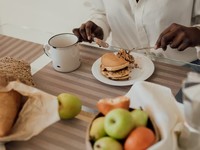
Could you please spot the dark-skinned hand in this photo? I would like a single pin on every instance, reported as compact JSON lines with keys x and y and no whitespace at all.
{"x":179,"y":37}
{"x":87,"y":31}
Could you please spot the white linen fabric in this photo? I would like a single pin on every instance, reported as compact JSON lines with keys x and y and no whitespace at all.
{"x":198,"y":52}
{"x":198,"y":47}
{"x":139,"y":24}
{"x":159,"y":102}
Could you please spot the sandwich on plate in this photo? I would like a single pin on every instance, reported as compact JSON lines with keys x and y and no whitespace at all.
{"x":117,"y":66}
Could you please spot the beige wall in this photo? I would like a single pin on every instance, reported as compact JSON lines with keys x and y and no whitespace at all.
{"x":47,"y":15}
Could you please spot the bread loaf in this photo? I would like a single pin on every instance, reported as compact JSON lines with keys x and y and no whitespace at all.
{"x":10,"y":102}
{"x":9,"y":107}
{"x":12,"y":69}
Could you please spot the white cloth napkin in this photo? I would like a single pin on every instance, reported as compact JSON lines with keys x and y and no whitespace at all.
{"x":39,"y":112}
{"x":162,"y":108}
{"x":192,"y":105}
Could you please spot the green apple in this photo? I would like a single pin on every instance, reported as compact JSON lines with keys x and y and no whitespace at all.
{"x":107,"y":143}
{"x":69,"y":105}
{"x":97,"y":129}
{"x":140,"y":117}
{"x":118,"y":123}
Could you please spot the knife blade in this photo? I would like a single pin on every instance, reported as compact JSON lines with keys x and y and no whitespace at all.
{"x":104,"y":44}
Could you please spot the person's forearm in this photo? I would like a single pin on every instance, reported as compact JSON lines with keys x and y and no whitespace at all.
{"x":198,"y":27}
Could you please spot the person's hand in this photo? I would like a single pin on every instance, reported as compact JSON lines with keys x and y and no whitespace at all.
{"x":178,"y":36}
{"x":87,"y":31}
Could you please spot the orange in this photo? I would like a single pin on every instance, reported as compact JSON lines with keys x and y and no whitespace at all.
{"x":107,"y":104}
{"x":139,"y":139}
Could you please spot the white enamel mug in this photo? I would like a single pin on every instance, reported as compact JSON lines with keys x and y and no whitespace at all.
{"x":64,"y":52}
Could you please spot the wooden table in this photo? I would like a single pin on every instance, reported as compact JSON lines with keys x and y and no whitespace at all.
{"x":70,"y":134}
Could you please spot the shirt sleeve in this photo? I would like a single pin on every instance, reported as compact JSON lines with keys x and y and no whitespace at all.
{"x":196,"y":12}
{"x":198,"y":52}
{"x":98,"y":16}
{"x":198,"y":47}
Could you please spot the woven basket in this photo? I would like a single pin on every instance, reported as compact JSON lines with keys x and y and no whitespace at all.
{"x":90,"y":143}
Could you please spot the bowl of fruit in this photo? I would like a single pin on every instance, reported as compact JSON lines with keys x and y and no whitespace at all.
{"x":119,"y":127}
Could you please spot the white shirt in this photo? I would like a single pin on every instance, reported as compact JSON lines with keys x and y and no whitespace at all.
{"x":198,"y":52}
{"x":139,"y":24}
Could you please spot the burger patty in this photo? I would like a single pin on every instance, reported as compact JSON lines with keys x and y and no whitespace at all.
{"x":122,"y":74}
{"x":117,"y":66}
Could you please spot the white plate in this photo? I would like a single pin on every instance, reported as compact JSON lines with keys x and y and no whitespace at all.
{"x":145,"y":70}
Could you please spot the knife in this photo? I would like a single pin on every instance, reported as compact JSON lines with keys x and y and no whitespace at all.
{"x":104,"y":44}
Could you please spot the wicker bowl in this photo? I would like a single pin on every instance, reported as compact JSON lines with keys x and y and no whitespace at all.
{"x":150,"y":124}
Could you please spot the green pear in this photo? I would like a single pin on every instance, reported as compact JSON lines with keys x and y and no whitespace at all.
{"x":97,"y":129}
{"x":107,"y":143}
{"x":140,"y":117}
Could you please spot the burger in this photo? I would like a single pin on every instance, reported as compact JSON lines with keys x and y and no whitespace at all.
{"x":117,"y":66}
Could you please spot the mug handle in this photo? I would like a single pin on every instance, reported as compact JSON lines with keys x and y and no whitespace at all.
{"x":46,"y":48}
